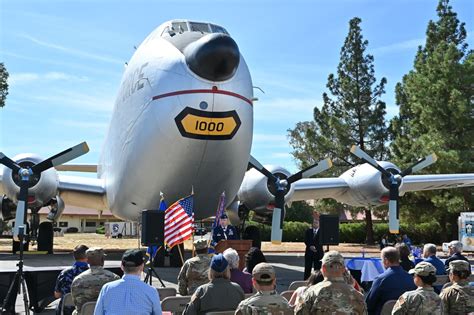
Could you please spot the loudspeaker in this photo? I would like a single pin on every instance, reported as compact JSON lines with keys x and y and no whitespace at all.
{"x":153,"y":227}
{"x":328,"y":229}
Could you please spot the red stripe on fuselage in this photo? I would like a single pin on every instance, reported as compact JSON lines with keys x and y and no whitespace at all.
{"x":212,"y":91}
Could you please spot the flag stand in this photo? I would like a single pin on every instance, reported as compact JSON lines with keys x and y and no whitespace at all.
{"x":150,"y":271}
{"x":180,"y":253}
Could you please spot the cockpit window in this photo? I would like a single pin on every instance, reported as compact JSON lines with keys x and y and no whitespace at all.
{"x":217,"y":29}
{"x":179,"y":27}
{"x":199,"y":27}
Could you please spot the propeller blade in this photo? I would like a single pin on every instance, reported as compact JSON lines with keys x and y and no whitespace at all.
{"x":21,"y":209}
{"x":393,"y":208}
{"x":421,"y":164}
{"x":5,"y":160}
{"x":259,"y":167}
{"x":277,"y":231}
{"x":317,"y":168}
{"x":61,"y":158}
{"x":364,"y":156}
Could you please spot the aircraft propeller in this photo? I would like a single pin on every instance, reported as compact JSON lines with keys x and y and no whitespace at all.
{"x":281,"y":187}
{"x":395,"y":181}
{"x":26,"y":173}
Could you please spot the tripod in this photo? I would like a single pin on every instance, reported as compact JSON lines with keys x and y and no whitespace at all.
{"x":18,"y":280}
{"x":150,"y":271}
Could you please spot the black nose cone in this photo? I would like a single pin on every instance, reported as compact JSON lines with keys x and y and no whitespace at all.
{"x":214,"y":57}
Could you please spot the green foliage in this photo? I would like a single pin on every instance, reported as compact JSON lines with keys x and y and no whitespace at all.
{"x":300,"y":211}
{"x":100,"y":230}
{"x":435,"y":102}
{"x":4,"y":226}
{"x":294,"y":231}
{"x":353,"y":113}
{"x":352,"y":233}
{"x":3,"y":84}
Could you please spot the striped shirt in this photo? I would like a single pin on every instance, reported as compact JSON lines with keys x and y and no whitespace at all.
{"x":128,"y":295}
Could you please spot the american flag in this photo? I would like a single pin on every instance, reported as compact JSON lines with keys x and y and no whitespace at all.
{"x":220,"y":210}
{"x":179,"y":221}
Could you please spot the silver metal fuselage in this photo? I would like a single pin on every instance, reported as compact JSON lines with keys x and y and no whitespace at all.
{"x":145,"y":153}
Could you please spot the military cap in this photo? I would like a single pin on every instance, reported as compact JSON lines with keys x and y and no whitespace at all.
{"x":200,"y":244}
{"x":95,"y":252}
{"x":423,"y":269}
{"x":224,"y":216}
{"x":459,"y":265}
{"x":133,"y":258}
{"x":219,"y":263}
{"x":332,"y":257}
{"x":263,"y":272}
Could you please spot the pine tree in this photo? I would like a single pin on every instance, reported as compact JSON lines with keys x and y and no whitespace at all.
{"x":353,"y":114}
{"x":437,"y":113}
{"x":3,"y":84}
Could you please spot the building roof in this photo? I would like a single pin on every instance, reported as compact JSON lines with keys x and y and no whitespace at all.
{"x":78,"y":211}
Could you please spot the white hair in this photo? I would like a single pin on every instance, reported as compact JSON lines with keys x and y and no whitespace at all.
{"x":232,"y":258}
{"x":430,"y":248}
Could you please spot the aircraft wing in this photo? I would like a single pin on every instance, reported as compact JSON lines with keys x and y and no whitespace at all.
{"x":82,"y":191}
{"x":431,"y":182}
{"x":318,"y":188}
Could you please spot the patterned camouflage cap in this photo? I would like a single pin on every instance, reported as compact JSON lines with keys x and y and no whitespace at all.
{"x":423,"y":269}
{"x":459,"y":265}
{"x":332,"y":257}
{"x":95,"y":252}
{"x":200,"y":244}
{"x":263,"y":272}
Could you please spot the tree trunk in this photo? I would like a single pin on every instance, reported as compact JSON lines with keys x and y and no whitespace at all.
{"x":369,"y":229}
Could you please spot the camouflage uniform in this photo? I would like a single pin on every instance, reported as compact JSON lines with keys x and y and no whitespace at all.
{"x":194,"y":272}
{"x":459,"y":297}
{"x":333,"y":295}
{"x":423,"y":300}
{"x":264,"y":302}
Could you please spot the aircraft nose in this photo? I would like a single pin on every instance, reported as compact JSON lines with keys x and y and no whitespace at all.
{"x":214,"y":57}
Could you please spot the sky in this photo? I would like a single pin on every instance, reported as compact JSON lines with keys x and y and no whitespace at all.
{"x":66,"y":60}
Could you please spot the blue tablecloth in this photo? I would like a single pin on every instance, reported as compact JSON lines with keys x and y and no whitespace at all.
{"x":369,"y":267}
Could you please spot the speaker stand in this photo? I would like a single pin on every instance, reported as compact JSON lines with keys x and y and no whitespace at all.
{"x":150,"y":272}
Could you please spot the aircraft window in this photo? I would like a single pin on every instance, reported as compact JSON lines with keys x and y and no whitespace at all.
{"x":180,"y":27}
{"x":218,"y":29}
{"x":199,"y":27}
{"x":165,"y":31}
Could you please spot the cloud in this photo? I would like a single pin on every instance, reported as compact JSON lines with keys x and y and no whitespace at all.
{"x":66,"y":98}
{"x":96,"y":125}
{"x":27,"y":77}
{"x":289,"y":109}
{"x":72,"y":51}
{"x":397,"y":47}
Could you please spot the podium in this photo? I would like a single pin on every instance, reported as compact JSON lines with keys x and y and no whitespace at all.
{"x":241,"y":246}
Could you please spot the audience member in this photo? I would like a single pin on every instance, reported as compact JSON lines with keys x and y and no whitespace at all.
{"x":424,"y":299}
{"x":405,"y":261}
{"x":194,"y":272}
{"x":220,"y":294}
{"x":351,"y":281}
{"x":86,"y":286}
{"x":64,"y":280}
{"x":333,"y":295}
{"x":129,"y":295}
{"x":383,"y":242}
{"x":459,"y":297}
{"x":266,"y":300}
{"x":407,"y":241}
{"x":253,"y":258}
{"x":429,"y":255}
{"x":297,"y":297}
{"x":390,"y":284}
{"x":236,"y":275}
{"x":455,"y":249}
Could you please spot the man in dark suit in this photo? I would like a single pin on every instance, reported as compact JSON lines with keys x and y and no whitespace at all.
{"x":314,"y":251}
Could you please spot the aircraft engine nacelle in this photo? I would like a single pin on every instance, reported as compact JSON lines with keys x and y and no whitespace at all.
{"x":256,"y":194}
{"x":42,"y":188}
{"x":56,"y":209}
{"x":368,"y":186}
{"x":8,"y":208}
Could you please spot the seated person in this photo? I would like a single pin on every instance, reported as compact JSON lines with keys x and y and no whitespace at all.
{"x":236,"y":275}
{"x":455,"y":249}
{"x":253,"y":258}
{"x":405,"y":261}
{"x":194,"y":272}
{"x":458,"y":298}
{"x":64,"y":280}
{"x":220,"y":294}
{"x":87,"y":285}
{"x":297,"y":297}
{"x":389,"y":285}
{"x":266,"y":300}
{"x":424,"y":299}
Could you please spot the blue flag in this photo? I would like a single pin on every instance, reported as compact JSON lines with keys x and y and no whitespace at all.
{"x":220,"y":211}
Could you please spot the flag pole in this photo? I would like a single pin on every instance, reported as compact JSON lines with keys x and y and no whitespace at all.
{"x":180,"y":253}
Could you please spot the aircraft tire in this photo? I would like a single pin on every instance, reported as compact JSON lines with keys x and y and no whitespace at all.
{"x":252,"y":232}
{"x":45,"y":237}
{"x":175,"y":257}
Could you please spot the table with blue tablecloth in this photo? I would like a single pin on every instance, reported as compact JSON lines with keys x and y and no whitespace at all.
{"x":369,"y":267}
